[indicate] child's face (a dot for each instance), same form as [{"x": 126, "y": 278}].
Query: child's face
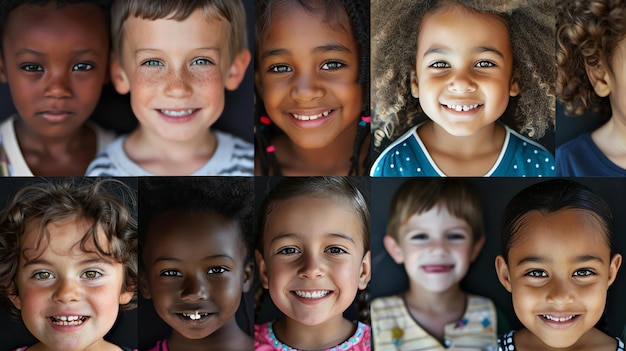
[
  {"x": 55, "y": 61},
  {"x": 435, "y": 247},
  {"x": 463, "y": 69},
  {"x": 69, "y": 298},
  {"x": 558, "y": 272},
  {"x": 313, "y": 261},
  {"x": 195, "y": 263},
  {"x": 307, "y": 77},
  {"x": 176, "y": 72}
]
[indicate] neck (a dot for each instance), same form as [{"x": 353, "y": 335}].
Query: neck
[
  {"x": 31, "y": 141},
  {"x": 437, "y": 302},
  {"x": 484, "y": 140},
  {"x": 314, "y": 337},
  {"x": 228, "y": 337}
]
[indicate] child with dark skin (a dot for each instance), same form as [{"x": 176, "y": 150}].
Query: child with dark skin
[
  {"x": 55, "y": 84},
  {"x": 196, "y": 261}
]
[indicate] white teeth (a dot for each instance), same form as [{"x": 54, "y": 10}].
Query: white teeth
[
  {"x": 557, "y": 319},
  {"x": 68, "y": 320},
  {"x": 195, "y": 316},
  {"x": 312, "y": 295},
  {"x": 177, "y": 113},
  {"x": 310, "y": 118},
  {"x": 460, "y": 108}
]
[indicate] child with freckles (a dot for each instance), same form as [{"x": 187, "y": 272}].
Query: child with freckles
[
  {"x": 68, "y": 261},
  {"x": 54, "y": 57},
  {"x": 176, "y": 59}
]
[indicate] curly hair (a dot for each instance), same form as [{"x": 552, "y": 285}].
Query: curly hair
[
  {"x": 587, "y": 33},
  {"x": 395, "y": 25},
  {"x": 108, "y": 204},
  {"x": 334, "y": 13},
  {"x": 6, "y": 6},
  {"x": 230, "y": 197}
]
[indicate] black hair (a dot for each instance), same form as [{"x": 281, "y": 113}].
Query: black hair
[
  {"x": 231, "y": 197},
  {"x": 6, "y": 6},
  {"x": 358, "y": 12},
  {"x": 549, "y": 197}
]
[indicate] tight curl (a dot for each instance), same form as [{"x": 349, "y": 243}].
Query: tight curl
[
  {"x": 395, "y": 25},
  {"x": 587, "y": 34}
]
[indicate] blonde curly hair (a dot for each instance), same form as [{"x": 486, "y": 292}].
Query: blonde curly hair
[{"x": 395, "y": 25}]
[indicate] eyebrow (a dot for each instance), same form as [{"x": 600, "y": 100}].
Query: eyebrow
[
  {"x": 28, "y": 51},
  {"x": 316, "y": 50},
  {"x": 479, "y": 49},
  {"x": 292, "y": 235},
  {"x": 577, "y": 259},
  {"x": 40, "y": 261},
  {"x": 209, "y": 48},
  {"x": 175, "y": 259}
]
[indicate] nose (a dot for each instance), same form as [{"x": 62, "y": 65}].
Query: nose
[
  {"x": 438, "y": 248},
  {"x": 195, "y": 287},
  {"x": 67, "y": 290},
  {"x": 311, "y": 267},
  {"x": 462, "y": 82},
  {"x": 178, "y": 84},
  {"x": 560, "y": 293},
  {"x": 306, "y": 87},
  {"x": 59, "y": 85}
]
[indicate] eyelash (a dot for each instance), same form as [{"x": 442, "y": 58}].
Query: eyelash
[
  {"x": 213, "y": 270},
  {"x": 337, "y": 64},
  {"x": 152, "y": 63},
  {"x": 37, "y": 275},
  {"x": 338, "y": 250},
  {"x": 85, "y": 67},
  {"x": 280, "y": 69},
  {"x": 536, "y": 273},
  {"x": 288, "y": 251},
  {"x": 479, "y": 64},
  {"x": 171, "y": 273}
]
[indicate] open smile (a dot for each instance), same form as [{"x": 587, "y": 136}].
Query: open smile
[
  {"x": 462, "y": 108},
  {"x": 178, "y": 113},
  {"x": 68, "y": 320},
  {"x": 311, "y": 117},
  {"x": 312, "y": 295}
]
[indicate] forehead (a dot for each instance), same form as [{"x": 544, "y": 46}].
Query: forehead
[
  {"x": 565, "y": 233},
  {"x": 83, "y": 20},
  {"x": 455, "y": 24}
]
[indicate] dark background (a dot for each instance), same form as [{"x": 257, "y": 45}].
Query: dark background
[{"x": 390, "y": 278}]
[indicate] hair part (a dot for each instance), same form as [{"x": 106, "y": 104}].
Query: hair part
[
  {"x": 232, "y": 11},
  {"x": 108, "y": 204},
  {"x": 587, "y": 35},
  {"x": 419, "y": 195},
  {"x": 531, "y": 29},
  {"x": 549, "y": 197}
]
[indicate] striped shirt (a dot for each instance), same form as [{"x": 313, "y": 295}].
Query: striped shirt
[{"x": 233, "y": 157}]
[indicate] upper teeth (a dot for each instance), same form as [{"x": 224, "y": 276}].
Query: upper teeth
[
  {"x": 557, "y": 319},
  {"x": 308, "y": 118},
  {"x": 312, "y": 294},
  {"x": 177, "y": 113},
  {"x": 68, "y": 320},
  {"x": 462, "y": 107},
  {"x": 196, "y": 315}
]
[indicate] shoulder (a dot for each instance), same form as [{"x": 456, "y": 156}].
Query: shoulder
[
  {"x": 406, "y": 156},
  {"x": 505, "y": 343},
  {"x": 620, "y": 344},
  {"x": 161, "y": 345},
  {"x": 262, "y": 339},
  {"x": 233, "y": 157},
  {"x": 522, "y": 156},
  {"x": 112, "y": 161}
]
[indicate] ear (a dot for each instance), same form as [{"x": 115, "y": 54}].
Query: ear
[
  {"x": 616, "y": 262},
  {"x": 15, "y": 298},
  {"x": 502, "y": 269},
  {"x": 247, "y": 276},
  {"x": 3, "y": 76},
  {"x": 144, "y": 287},
  {"x": 476, "y": 248},
  {"x": 599, "y": 79},
  {"x": 118, "y": 76},
  {"x": 414, "y": 87},
  {"x": 514, "y": 88},
  {"x": 366, "y": 270},
  {"x": 126, "y": 296},
  {"x": 260, "y": 262},
  {"x": 394, "y": 250},
  {"x": 237, "y": 70}
]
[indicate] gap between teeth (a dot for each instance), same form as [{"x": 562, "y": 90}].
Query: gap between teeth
[
  {"x": 562, "y": 319},
  {"x": 310, "y": 118},
  {"x": 312, "y": 295},
  {"x": 460, "y": 108},
  {"x": 195, "y": 316},
  {"x": 68, "y": 320},
  {"x": 177, "y": 113}
]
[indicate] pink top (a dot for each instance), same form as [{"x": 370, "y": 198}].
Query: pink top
[
  {"x": 265, "y": 340},
  {"x": 160, "y": 346}
]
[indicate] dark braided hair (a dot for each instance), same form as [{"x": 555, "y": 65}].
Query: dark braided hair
[{"x": 358, "y": 12}]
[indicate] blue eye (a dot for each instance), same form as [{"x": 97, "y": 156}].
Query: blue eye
[
  {"x": 152, "y": 63},
  {"x": 82, "y": 67},
  {"x": 332, "y": 65},
  {"x": 280, "y": 69},
  {"x": 202, "y": 62},
  {"x": 32, "y": 68},
  {"x": 171, "y": 273}
]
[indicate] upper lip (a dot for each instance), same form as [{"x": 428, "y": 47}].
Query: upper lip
[
  {"x": 55, "y": 111},
  {"x": 192, "y": 309}
]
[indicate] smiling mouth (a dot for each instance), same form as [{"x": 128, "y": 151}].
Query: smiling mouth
[
  {"x": 312, "y": 294},
  {"x": 558, "y": 319},
  {"x": 195, "y": 315},
  {"x": 311, "y": 118},
  {"x": 68, "y": 320},
  {"x": 462, "y": 108},
  {"x": 177, "y": 113}
]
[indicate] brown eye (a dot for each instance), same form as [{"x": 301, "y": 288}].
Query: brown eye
[{"x": 91, "y": 275}]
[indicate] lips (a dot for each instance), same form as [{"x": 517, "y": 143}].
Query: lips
[
  {"x": 68, "y": 320},
  {"x": 437, "y": 268},
  {"x": 194, "y": 316},
  {"x": 312, "y": 294},
  {"x": 311, "y": 117},
  {"x": 55, "y": 115},
  {"x": 462, "y": 107},
  {"x": 177, "y": 112}
]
